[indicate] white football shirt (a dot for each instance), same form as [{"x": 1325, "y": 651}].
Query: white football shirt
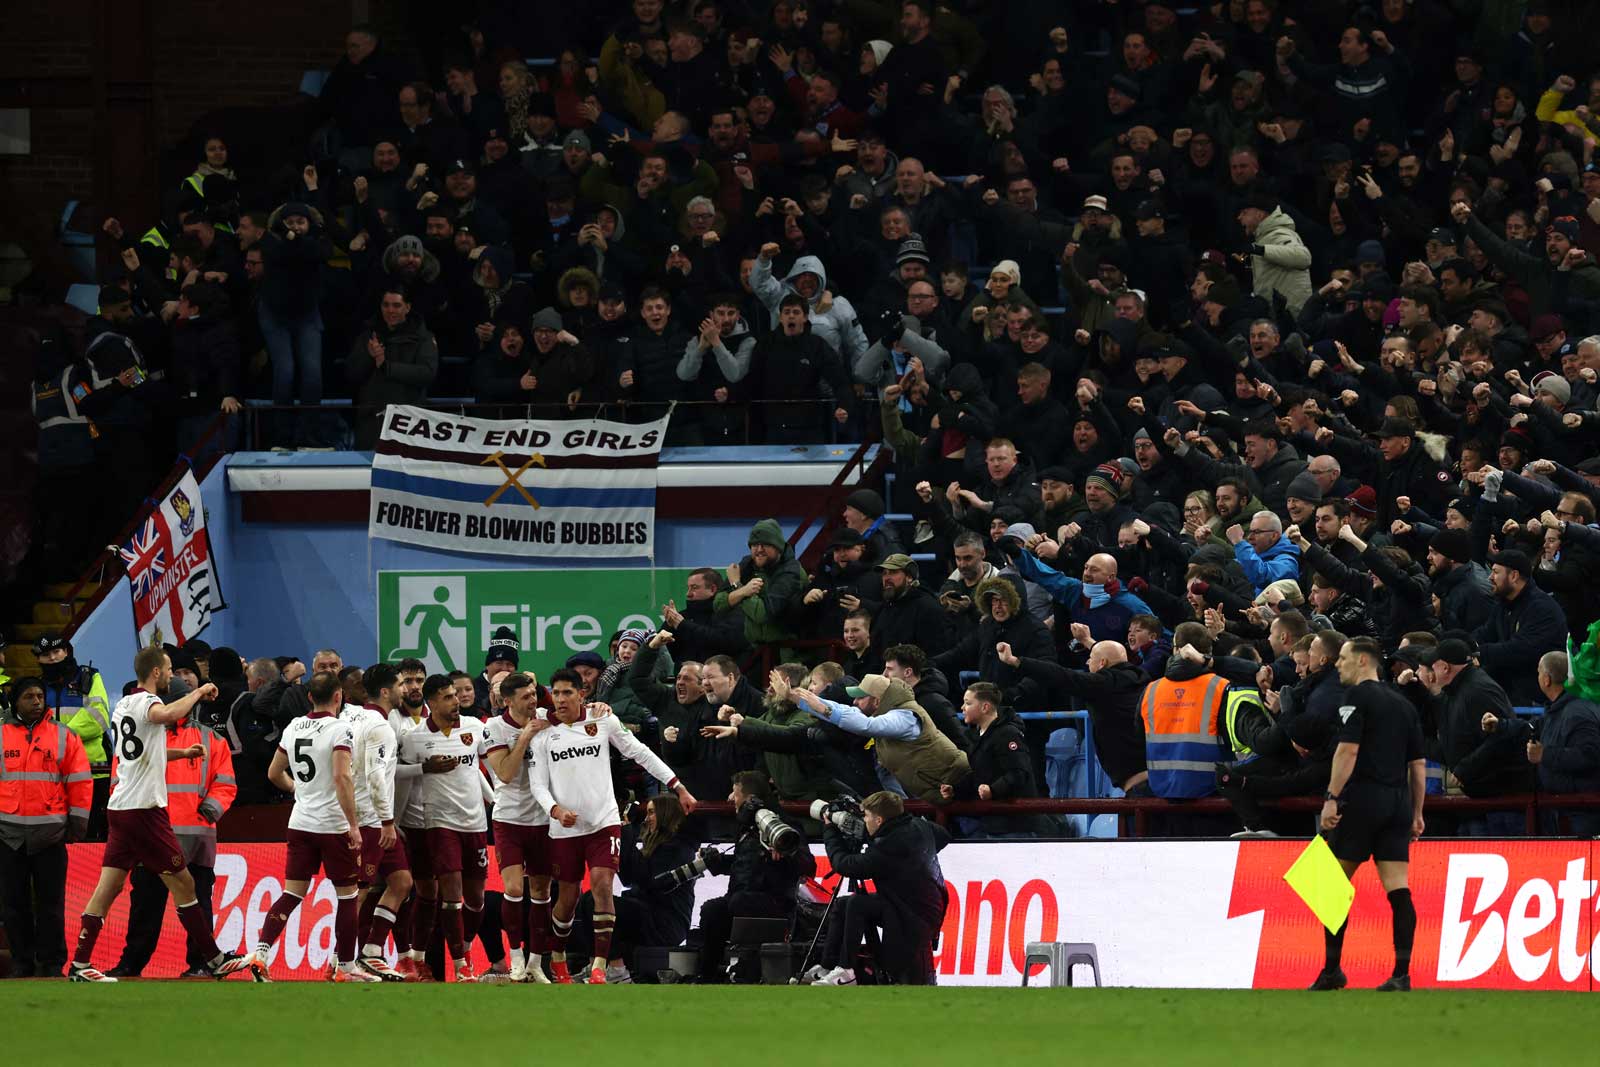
[
  {"x": 411, "y": 818},
  {"x": 372, "y": 761},
  {"x": 572, "y": 767},
  {"x": 513, "y": 801},
  {"x": 310, "y": 742},
  {"x": 139, "y": 753},
  {"x": 452, "y": 800}
]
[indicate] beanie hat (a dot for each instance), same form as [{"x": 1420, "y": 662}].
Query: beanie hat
[
  {"x": 912, "y": 250},
  {"x": 295, "y": 207},
  {"x": 1369, "y": 252},
  {"x": 1142, "y": 434},
  {"x": 880, "y": 50},
  {"x": 1008, "y": 267},
  {"x": 1452, "y": 544},
  {"x": 768, "y": 532},
  {"x": 1554, "y": 385},
  {"x": 1364, "y": 502},
  {"x": 410, "y": 244},
  {"x": 1303, "y": 486},
  {"x": 867, "y": 502},
  {"x": 503, "y": 646},
  {"x": 637, "y": 636},
  {"x": 548, "y": 319},
  {"x": 1107, "y": 476}
]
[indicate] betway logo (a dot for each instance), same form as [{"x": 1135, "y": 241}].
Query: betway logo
[
  {"x": 1504, "y": 930},
  {"x": 574, "y": 753}
]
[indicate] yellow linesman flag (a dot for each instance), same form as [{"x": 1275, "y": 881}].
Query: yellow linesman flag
[{"x": 1319, "y": 881}]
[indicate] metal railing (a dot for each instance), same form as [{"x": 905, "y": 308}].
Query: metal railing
[
  {"x": 264, "y": 421},
  {"x": 267, "y": 822}
]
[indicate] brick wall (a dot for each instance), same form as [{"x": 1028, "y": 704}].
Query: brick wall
[{"x": 209, "y": 54}]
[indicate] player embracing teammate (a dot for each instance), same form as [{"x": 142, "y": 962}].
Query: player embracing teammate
[{"x": 571, "y": 777}]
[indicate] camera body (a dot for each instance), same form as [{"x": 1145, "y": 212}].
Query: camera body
[{"x": 844, "y": 813}]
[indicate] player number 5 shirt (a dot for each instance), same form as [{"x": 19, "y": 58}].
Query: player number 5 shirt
[{"x": 310, "y": 743}]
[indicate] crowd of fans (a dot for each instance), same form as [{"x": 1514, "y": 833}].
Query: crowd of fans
[{"x": 1268, "y": 325}]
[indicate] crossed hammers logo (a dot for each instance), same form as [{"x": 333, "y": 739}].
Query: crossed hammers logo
[{"x": 512, "y": 476}]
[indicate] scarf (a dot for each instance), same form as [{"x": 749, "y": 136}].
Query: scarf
[{"x": 1099, "y": 595}]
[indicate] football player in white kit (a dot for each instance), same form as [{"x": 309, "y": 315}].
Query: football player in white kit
[
  {"x": 447, "y": 748},
  {"x": 521, "y": 826},
  {"x": 140, "y": 830},
  {"x": 414, "y": 920},
  {"x": 571, "y": 778},
  {"x": 313, "y": 761},
  {"x": 383, "y": 858}
]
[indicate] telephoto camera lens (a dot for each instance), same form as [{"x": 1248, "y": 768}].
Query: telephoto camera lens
[{"x": 777, "y": 834}]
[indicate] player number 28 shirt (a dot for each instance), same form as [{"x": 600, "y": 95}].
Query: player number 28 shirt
[
  {"x": 310, "y": 742},
  {"x": 140, "y": 753},
  {"x": 572, "y": 767}
]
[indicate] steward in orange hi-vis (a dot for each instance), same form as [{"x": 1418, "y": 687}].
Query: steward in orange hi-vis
[{"x": 45, "y": 793}]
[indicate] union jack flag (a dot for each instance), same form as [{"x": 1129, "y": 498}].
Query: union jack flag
[{"x": 145, "y": 556}]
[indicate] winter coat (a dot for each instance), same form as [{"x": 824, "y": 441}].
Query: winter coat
[
  {"x": 1026, "y": 635},
  {"x": 838, "y": 326},
  {"x": 1570, "y": 734},
  {"x": 291, "y": 270},
  {"x": 933, "y": 693},
  {"x": 205, "y": 364},
  {"x": 1516, "y": 634},
  {"x": 914, "y": 618},
  {"x": 1283, "y": 264},
  {"x": 1465, "y": 599},
  {"x": 411, "y": 360},
  {"x": 704, "y": 633},
  {"x": 1280, "y": 560},
  {"x": 784, "y": 583}
]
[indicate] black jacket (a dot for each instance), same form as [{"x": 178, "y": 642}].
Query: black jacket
[
  {"x": 752, "y": 869},
  {"x": 670, "y": 910},
  {"x": 703, "y": 633},
  {"x": 914, "y": 618},
  {"x": 205, "y": 364},
  {"x": 1112, "y": 697},
  {"x": 902, "y": 860},
  {"x": 1570, "y": 733},
  {"x": 1516, "y": 635},
  {"x": 1001, "y": 760},
  {"x": 706, "y": 766},
  {"x": 1460, "y": 709},
  {"x": 933, "y": 693}
]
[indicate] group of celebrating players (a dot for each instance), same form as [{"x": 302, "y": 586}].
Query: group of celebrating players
[{"x": 389, "y": 803}]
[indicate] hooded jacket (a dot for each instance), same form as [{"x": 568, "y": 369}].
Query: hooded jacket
[
  {"x": 1027, "y": 637},
  {"x": 291, "y": 274},
  {"x": 1283, "y": 263},
  {"x": 838, "y": 325},
  {"x": 783, "y": 584}
]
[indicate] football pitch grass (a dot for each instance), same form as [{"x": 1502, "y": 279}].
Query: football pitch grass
[{"x": 288, "y": 1024}]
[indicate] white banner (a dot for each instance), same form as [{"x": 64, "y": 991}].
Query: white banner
[
  {"x": 579, "y": 488},
  {"x": 171, "y": 574}
]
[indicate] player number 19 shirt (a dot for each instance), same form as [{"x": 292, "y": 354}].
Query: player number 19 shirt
[{"x": 572, "y": 767}]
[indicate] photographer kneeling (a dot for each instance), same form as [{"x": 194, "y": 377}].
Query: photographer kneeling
[
  {"x": 909, "y": 901},
  {"x": 764, "y": 871}
]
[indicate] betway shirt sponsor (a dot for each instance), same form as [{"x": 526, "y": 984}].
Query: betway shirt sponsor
[
  {"x": 513, "y": 800},
  {"x": 372, "y": 761},
  {"x": 452, "y": 800},
  {"x": 572, "y": 767},
  {"x": 310, "y": 742}
]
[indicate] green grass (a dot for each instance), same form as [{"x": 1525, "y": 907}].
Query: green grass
[{"x": 289, "y": 1024}]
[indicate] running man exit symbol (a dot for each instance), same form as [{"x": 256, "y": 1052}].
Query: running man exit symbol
[{"x": 512, "y": 476}]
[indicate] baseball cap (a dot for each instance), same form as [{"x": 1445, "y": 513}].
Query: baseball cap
[
  {"x": 460, "y": 166},
  {"x": 1018, "y": 531},
  {"x": 1449, "y": 651},
  {"x": 844, "y": 537},
  {"x": 1094, "y": 203},
  {"x": 578, "y": 138},
  {"x": 1147, "y": 209},
  {"x": 1443, "y": 234},
  {"x": 899, "y": 561},
  {"x": 873, "y": 685},
  {"x": 1546, "y": 326}
]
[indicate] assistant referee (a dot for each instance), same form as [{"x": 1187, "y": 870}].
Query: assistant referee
[{"x": 1368, "y": 811}]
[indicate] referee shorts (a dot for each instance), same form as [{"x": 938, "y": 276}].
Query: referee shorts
[{"x": 1376, "y": 823}]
